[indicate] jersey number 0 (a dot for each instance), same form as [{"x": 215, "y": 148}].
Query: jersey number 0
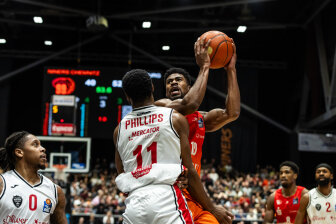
[{"x": 32, "y": 202}]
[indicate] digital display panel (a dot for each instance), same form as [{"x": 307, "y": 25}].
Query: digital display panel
[{"x": 99, "y": 102}]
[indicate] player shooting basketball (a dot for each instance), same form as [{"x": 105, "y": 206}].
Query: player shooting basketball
[{"x": 186, "y": 99}]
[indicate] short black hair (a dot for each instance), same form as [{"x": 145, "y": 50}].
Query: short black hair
[
  {"x": 292, "y": 165},
  {"x": 137, "y": 84},
  {"x": 179, "y": 71},
  {"x": 325, "y": 165},
  {"x": 7, "y": 156}
]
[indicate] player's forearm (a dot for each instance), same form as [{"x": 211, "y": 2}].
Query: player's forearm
[
  {"x": 233, "y": 97},
  {"x": 193, "y": 99},
  {"x": 197, "y": 192}
]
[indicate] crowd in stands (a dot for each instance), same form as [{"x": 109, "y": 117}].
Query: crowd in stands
[{"x": 94, "y": 197}]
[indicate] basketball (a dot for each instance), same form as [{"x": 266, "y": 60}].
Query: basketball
[{"x": 220, "y": 49}]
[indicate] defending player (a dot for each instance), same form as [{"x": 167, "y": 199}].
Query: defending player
[
  {"x": 319, "y": 204},
  {"x": 25, "y": 195},
  {"x": 186, "y": 99},
  {"x": 285, "y": 201},
  {"x": 150, "y": 142}
]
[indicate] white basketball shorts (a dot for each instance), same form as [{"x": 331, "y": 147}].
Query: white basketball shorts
[{"x": 157, "y": 204}]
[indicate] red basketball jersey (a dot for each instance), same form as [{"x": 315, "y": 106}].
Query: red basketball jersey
[
  {"x": 287, "y": 207},
  {"x": 196, "y": 138}
]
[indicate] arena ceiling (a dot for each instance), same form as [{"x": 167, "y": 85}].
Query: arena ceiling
[
  {"x": 177, "y": 23},
  {"x": 276, "y": 32}
]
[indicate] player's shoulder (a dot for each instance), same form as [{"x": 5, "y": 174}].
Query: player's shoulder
[
  {"x": 312, "y": 191},
  {"x": 8, "y": 175},
  {"x": 162, "y": 102},
  {"x": 179, "y": 120},
  {"x": 176, "y": 114},
  {"x": 271, "y": 197},
  {"x": 302, "y": 189},
  {"x": 46, "y": 181}
]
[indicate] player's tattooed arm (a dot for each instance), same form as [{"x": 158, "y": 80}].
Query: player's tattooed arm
[
  {"x": 58, "y": 217},
  {"x": 269, "y": 215},
  {"x": 302, "y": 212}
]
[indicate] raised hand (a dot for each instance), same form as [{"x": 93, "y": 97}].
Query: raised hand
[
  {"x": 201, "y": 52},
  {"x": 232, "y": 64}
]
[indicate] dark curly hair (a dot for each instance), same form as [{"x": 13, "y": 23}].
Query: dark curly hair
[
  {"x": 137, "y": 84},
  {"x": 7, "y": 156},
  {"x": 179, "y": 71},
  {"x": 292, "y": 165}
]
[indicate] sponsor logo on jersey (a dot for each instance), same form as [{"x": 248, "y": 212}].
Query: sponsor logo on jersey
[
  {"x": 278, "y": 202},
  {"x": 141, "y": 171},
  {"x": 14, "y": 219},
  {"x": 199, "y": 136},
  {"x": 200, "y": 123},
  {"x": 295, "y": 201},
  {"x": 17, "y": 200},
  {"x": 47, "y": 206},
  {"x": 318, "y": 207},
  {"x": 14, "y": 186},
  {"x": 318, "y": 218}
]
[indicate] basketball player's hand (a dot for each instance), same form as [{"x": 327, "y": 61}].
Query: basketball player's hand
[
  {"x": 222, "y": 215},
  {"x": 182, "y": 180},
  {"x": 201, "y": 52},
  {"x": 232, "y": 64}
]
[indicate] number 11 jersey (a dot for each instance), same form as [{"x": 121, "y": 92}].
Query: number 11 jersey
[{"x": 149, "y": 148}]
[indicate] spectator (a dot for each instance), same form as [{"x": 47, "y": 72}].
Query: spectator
[{"x": 108, "y": 218}]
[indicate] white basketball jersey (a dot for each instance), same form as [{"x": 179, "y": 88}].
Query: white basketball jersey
[
  {"x": 322, "y": 208},
  {"x": 21, "y": 202},
  {"x": 149, "y": 148}
]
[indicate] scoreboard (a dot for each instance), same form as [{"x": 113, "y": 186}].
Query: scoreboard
[{"x": 86, "y": 102}]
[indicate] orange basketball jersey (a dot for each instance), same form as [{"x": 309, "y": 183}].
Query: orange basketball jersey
[{"x": 196, "y": 138}]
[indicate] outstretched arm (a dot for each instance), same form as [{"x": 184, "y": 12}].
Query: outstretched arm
[
  {"x": 195, "y": 187},
  {"x": 217, "y": 118},
  {"x": 269, "y": 216},
  {"x": 302, "y": 212},
  {"x": 193, "y": 99},
  {"x": 58, "y": 217}
]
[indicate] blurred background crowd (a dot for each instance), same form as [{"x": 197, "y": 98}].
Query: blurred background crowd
[{"x": 94, "y": 197}]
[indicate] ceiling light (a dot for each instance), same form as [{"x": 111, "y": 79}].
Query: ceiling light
[
  {"x": 48, "y": 42},
  {"x": 165, "y": 48},
  {"x": 38, "y": 19},
  {"x": 146, "y": 24},
  {"x": 241, "y": 29},
  {"x": 3, "y": 41}
]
